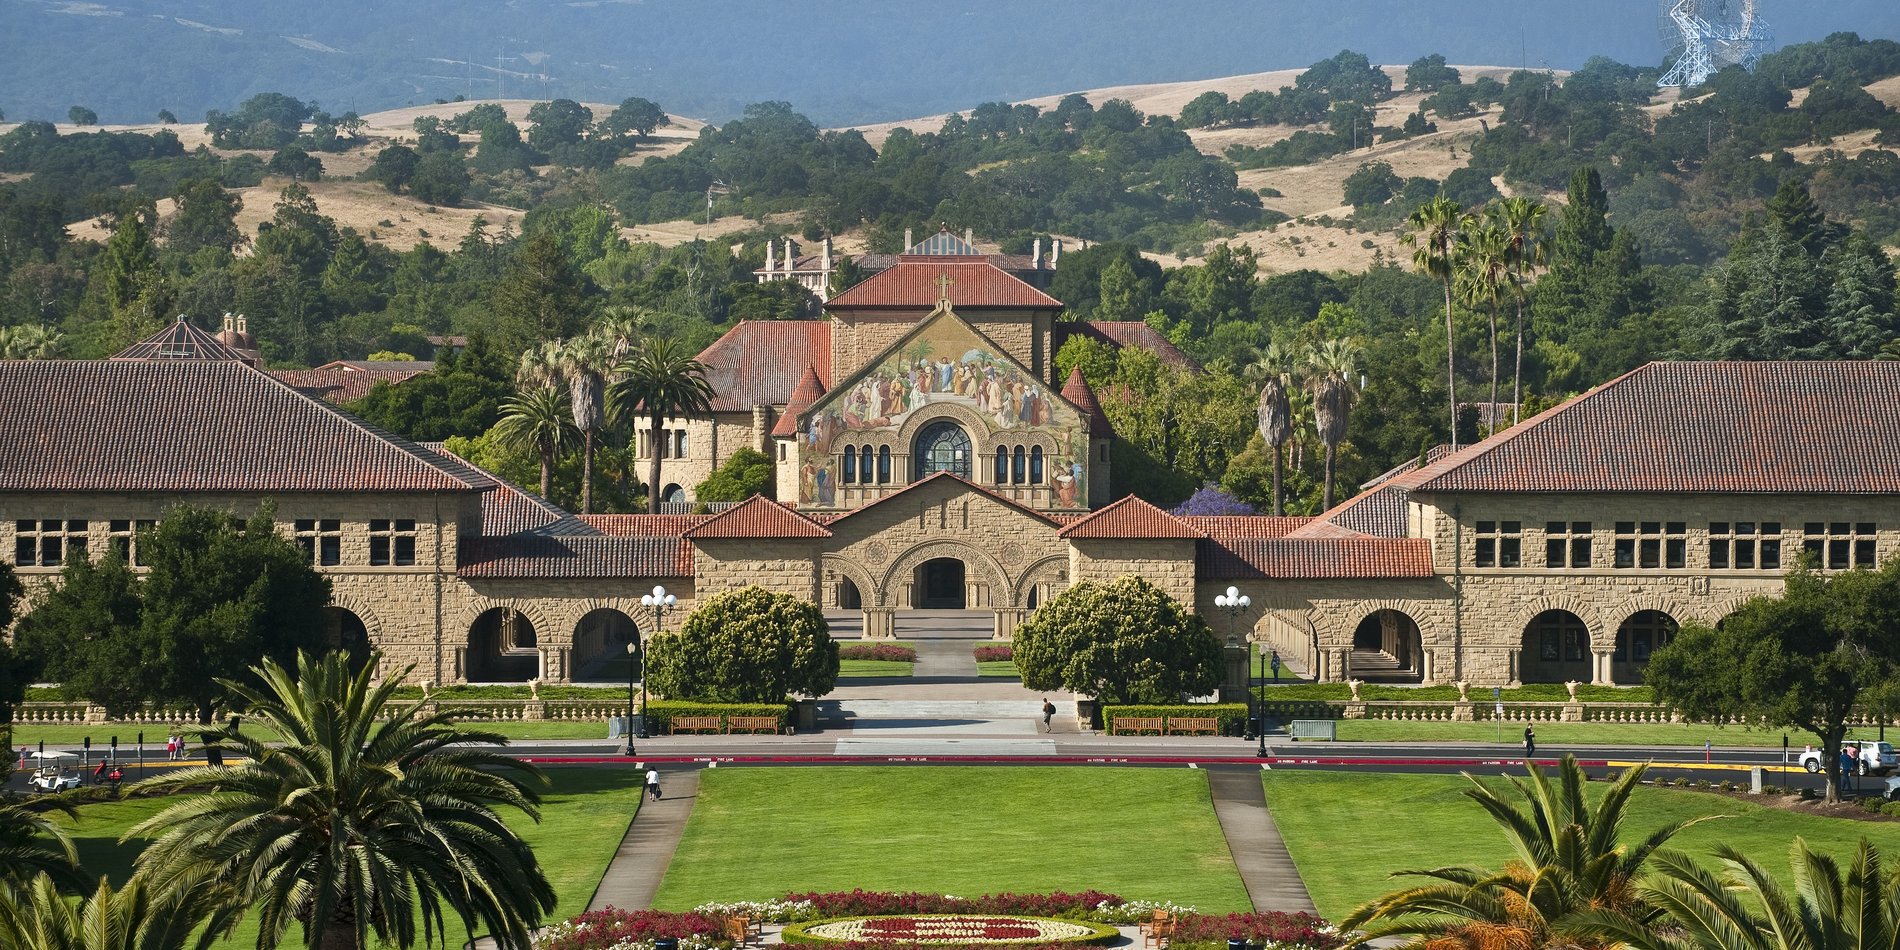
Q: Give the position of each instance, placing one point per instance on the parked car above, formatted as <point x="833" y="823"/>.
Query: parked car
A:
<point x="52" y="778"/>
<point x="1870" y="758"/>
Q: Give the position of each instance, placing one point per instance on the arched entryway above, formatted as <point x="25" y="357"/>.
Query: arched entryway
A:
<point x="345" y="631"/>
<point x="939" y="585"/>
<point x="1636" y="639"/>
<point x="1556" y="649"/>
<point x="502" y="648"/>
<point x="942" y="446"/>
<point x="601" y="639"/>
<point x="1388" y="648"/>
<point x="673" y="494"/>
<point x="849" y="597"/>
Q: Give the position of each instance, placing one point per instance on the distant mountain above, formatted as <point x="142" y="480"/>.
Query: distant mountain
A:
<point x="838" y="61"/>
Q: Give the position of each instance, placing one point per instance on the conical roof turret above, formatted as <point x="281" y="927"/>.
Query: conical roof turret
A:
<point x="805" y="395"/>
<point x="1079" y="395"/>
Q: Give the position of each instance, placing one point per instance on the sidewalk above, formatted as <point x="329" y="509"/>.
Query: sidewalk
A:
<point x="634" y="874"/>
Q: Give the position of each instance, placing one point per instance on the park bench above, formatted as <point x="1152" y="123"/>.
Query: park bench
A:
<point x="1189" y="725"/>
<point x="1132" y="725"/>
<point x="695" y="724"/>
<point x="1159" y="931"/>
<point x="739" y="931"/>
<point x="752" y="724"/>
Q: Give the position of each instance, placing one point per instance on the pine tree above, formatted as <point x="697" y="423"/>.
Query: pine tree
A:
<point x="1861" y="310"/>
<point x="540" y="298"/>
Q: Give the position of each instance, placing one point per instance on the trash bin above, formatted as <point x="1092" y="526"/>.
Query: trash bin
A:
<point x="1236" y="943"/>
<point x="666" y="943"/>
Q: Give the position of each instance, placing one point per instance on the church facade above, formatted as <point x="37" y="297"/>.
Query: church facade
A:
<point x="927" y="457"/>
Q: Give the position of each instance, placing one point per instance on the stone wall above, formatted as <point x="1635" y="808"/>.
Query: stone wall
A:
<point x="781" y="566"/>
<point x="1168" y="565"/>
<point x="709" y="442"/>
<point x="859" y="337"/>
<point x="1004" y="549"/>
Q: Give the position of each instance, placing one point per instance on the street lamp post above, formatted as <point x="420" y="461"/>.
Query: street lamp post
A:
<point x="660" y="601"/>
<point x="1236" y="603"/>
<point x="632" y="649"/>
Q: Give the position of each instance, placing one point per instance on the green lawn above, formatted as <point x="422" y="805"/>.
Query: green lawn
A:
<point x="30" y="736"/>
<point x="854" y="668"/>
<point x="1003" y="669"/>
<point x="1140" y="833"/>
<point x="1340" y="831"/>
<point x="1564" y="733"/>
<point x="583" y="816"/>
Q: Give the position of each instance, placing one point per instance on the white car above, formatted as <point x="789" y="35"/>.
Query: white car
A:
<point x="54" y="779"/>
<point x="1870" y="758"/>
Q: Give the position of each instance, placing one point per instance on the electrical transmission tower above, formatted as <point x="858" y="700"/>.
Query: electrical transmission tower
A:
<point x="1709" y="35"/>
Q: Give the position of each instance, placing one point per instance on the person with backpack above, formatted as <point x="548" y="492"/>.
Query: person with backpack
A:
<point x="653" y="784"/>
<point x="1048" y="715"/>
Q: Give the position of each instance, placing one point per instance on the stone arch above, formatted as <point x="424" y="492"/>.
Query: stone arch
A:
<point x="1052" y="568"/>
<point x="1591" y="617"/>
<point x="1638" y="634"/>
<point x="973" y="558"/>
<point x="600" y="637"/>
<point x="972" y="422"/>
<point x="361" y="608"/>
<point x="502" y="644"/>
<point x="1388" y="645"/>
<point x="347" y="632"/>
<point x="543" y="624"/>
<point x="871" y="595"/>
<point x="1556" y="645"/>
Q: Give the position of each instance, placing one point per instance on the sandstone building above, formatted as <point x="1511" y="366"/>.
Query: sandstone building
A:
<point x="928" y="457"/>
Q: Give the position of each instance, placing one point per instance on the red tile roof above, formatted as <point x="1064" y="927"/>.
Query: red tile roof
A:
<point x="651" y="525"/>
<point x="410" y="367"/>
<point x="181" y="341"/>
<point x="936" y="477"/>
<point x="1131" y="519"/>
<point x="807" y="393"/>
<point x="1223" y="527"/>
<point x="338" y="385"/>
<point x="1079" y="395"/>
<point x="1717" y="427"/>
<point x="194" y="425"/>
<point x="759" y="362"/>
<point x="541" y="556"/>
<point x="758" y="517"/>
<point x="913" y="284"/>
<point x="511" y="509"/>
<point x="1125" y="333"/>
<point x="1314" y="558"/>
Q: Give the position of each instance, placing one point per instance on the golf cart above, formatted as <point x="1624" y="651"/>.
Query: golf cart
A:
<point x="53" y="775"/>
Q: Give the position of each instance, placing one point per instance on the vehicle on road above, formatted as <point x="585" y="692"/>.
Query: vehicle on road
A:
<point x="52" y="778"/>
<point x="1870" y="758"/>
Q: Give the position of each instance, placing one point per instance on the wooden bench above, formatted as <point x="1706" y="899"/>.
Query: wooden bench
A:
<point x="1158" y="932"/>
<point x="695" y="724"/>
<point x="1189" y="726"/>
<point x="752" y="724"/>
<point x="739" y="931"/>
<point x="1130" y="725"/>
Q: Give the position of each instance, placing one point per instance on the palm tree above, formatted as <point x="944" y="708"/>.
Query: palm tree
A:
<point x="1484" y="271"/>
<point x="1745" y="908"/>
<point x="33" y="847"/>
<point x="1434" y="234"/>
<point x="363" y="813"/>
<point x="587" y="361"/>
<point x="1523" y="221"/>
<point x="660" y="380"/>
<point x="1569" y="876"/>
<point x="539" y="421"/>
<point x="131" y="918"/>
<point x="1274" y="369"/>
<point x="31" y="342"/>
<point x="1332" y="369"/>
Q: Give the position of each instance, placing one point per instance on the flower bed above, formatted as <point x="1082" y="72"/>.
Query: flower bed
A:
<point x="877" y="651"/>
<point x="951" y="930"/>
<point x="615" y="928"/>
<point x="860" y="903"/>
<point x="1274" y="929"/>
<point x="991" y="654"/>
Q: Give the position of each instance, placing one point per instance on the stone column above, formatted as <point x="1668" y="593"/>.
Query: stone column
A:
<point x="1513" y="668"/>
<point x="1007" y="620"/>
<point x="880" y="623"/>
<point x="458" y="667"/>
<point x="1427" y="667"/>
<point x="1603" y="674"/>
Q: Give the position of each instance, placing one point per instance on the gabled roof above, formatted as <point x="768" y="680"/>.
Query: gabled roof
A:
<point x="637" y="525"/>
<point x="196" y="425"/>
<point x="1712" y="427"/>
<point x="940" y="477"/>
<point x="1314" y="559"/>
<point x="1131" y="519"/>
<point x="1223" y="527"/>
<point x="181" y="341"/>
<point x="913" y="284"/>
<point x="338" y="385"/>
<point x="511" y="509"/>
<point x="1125" y="333"/>
<point x="808" y="392"/>
<point x="759" y="362"/>
<point x="758" y="517"/>
<point x="405" y="368"/>
<point x="541" y="556"/>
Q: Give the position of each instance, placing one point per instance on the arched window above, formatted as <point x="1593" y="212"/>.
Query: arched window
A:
<point x="883" y="464"/>
<point x="1002" y="465"/>
<point x="850" y="466"/>
<point x="943" y="446"/>
<point x="864" y="465"/>
<point x="1035" y="465"/>
<point x="1017" y="471"/>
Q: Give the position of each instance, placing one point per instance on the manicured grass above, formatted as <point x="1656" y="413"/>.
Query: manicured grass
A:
<point x="1349" y="832"/>
<point x="1140" y="833"/>
<point x="583" y="816"/>
<point x="1565" y="733"/>
<point x="72" y="735"/>
<point x="1528" y="693"/>
<point x="1003" y="669"/>
<point x="856" y="668"/>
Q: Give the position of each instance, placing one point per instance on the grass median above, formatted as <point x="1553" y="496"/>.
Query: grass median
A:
<point x="1331" y="822"/>
<point x="1511" y="733"/>
<point x="1141" y="833"/>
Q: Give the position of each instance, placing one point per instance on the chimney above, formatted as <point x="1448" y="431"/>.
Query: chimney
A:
<point x="1035" y="257"/>
<point x="771" y="249"/>
<point x="243" y="324"/>
<point x="907" y="243"/>
<point x="228" y="323"/>
<point x="969" y="237"/>
<point x="791" y="255"/>
<point x="1055" y="256"/>
<point x="827" y="264"/>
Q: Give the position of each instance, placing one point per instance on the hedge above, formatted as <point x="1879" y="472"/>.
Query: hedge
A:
<point x="661" y="712"/>
<point x="1232" y="716"/>
<point x="1098" y="933"/>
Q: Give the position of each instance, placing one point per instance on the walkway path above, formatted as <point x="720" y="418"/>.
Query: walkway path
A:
<point x="1273" y="883"/>
<point x="633" y="877"/>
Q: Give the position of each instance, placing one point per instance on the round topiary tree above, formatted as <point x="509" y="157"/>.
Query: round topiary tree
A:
<point x="1125" y="642"/>
<point x="746" y="646"/>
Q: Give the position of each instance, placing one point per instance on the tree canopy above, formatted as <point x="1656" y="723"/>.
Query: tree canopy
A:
<point x="746" y="646"/>
<point x="1122" y="642"/>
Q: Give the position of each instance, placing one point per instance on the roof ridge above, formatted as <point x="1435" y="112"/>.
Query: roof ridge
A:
<point x="1117" y="508"/>
<point x="808" y="527"/>
<point x="933" y="477"/>
<point x="482" y="482"/>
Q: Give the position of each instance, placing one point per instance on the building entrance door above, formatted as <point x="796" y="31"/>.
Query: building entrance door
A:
<point x="940" y="585"/>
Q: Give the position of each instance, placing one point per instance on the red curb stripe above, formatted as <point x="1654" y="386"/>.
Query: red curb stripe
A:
<point x="1026" y="759"/>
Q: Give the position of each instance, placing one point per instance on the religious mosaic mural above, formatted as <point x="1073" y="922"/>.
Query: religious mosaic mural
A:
<point x="943" y="363"/>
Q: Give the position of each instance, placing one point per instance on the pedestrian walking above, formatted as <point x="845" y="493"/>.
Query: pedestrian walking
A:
<point x="171" y="747"/>
<point x="1048" y="715"/>
<point x="653" y="784"/>
<point x="1530" y="742"/>
<point x="1847" y="767"/>
<point x="1276" y="666"/>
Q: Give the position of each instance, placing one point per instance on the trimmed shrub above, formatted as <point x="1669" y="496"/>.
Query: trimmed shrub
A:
<point x="1098" y="933"/>
<point x="991" y="654"/>
<point x="601" y="929"/>
<point x="861" y="903"/>
<point x="1232" y="716"/>
<point x="1271" y="928"/>
<point x="877" y="651"/>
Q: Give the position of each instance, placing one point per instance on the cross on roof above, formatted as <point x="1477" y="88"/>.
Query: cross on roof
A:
<point x="943" y="283"/>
